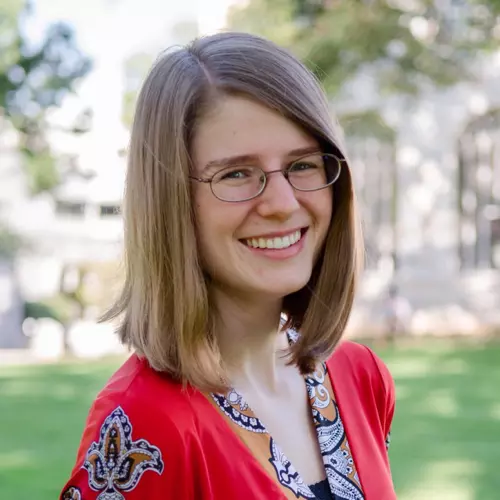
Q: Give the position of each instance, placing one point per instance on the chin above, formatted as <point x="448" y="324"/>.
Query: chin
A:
<point x="281" y="290"/>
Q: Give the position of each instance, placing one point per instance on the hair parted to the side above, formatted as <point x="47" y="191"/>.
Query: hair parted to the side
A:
<point x="164" y="305"/>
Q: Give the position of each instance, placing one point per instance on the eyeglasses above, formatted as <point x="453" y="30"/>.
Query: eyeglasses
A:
<point x="245" y="182"/>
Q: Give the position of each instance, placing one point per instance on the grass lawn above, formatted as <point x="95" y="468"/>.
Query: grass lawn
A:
<point x="446" y="433"/>
<point x="445" y="439"/>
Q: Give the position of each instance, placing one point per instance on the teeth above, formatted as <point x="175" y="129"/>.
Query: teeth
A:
<point x="276" y="243"/>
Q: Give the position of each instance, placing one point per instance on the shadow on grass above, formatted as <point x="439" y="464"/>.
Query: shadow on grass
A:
<point x="42" y="414"/>
<point x="446" y="433"/>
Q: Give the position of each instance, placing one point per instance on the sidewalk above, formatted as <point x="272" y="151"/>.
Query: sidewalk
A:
<point x="10" y="357"/>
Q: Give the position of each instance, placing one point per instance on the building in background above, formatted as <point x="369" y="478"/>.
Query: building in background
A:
<point x="13" y="196"/>
<point x="431" y="206"/>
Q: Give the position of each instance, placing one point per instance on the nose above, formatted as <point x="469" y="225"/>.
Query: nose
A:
<point x="278" y="199"/>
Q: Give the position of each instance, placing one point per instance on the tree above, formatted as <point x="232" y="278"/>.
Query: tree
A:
<point x="404" y="44"/>
<point x="10" y="242"/>
<point x="34" y="80"/>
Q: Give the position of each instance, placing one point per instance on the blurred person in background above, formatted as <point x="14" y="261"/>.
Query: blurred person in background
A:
<point x="243" y="252"/>
<point x="397" y="313"/>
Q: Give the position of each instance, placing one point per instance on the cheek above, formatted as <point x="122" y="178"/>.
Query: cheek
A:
<point x="216" y="242"/>
<point x="328" y="204"/>
<point x="216" y="225"/>
<point x="321" y="207"/>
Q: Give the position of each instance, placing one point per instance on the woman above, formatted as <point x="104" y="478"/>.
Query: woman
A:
<point x="240" y="230"/>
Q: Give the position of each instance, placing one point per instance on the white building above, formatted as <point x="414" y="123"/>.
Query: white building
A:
<point x="12" y="195"/>
<point x="432" y="206"/>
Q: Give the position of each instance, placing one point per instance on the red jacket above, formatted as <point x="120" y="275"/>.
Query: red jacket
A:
<point x="145" y="438"/>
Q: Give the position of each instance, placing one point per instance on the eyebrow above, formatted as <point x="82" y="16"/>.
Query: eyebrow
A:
<point x="232" y="161"/>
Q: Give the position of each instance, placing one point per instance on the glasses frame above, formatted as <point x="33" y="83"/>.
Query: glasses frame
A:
<point x="284" y="171"/>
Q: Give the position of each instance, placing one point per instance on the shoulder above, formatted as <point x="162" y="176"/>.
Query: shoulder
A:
<point x="137" y="436"/>
<point x="144" y="398"/>
<point x="357" y="372"/>
<point x="363" y="361"/>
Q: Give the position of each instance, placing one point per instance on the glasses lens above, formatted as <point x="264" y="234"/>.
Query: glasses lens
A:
<point x="314" y="172"/>
<point x="238" y="183"/>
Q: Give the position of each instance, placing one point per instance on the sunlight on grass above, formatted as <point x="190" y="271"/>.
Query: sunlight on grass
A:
<point x="453" y="367"/>
<point x="21" y="388"/>
<point x="15" y="459"/>
<point x="417" y="366"/>
<point x="495" y="411"/>
<point x="431" y="491"/>
<point x="411" y="368"/>
<point x="402" y="392"/>
<point x="28" y="388"/>
<point x="64" y="391"/>
<point x="445" y="480"/>
<point x="442" y="403"/>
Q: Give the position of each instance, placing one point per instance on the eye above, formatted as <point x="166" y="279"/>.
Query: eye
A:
<point x="303" y="165"/>
<point x="234" y="174"/>
<point x="308" y="165"/>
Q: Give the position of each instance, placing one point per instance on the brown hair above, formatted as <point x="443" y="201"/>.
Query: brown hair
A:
<point x="165" y="301"/>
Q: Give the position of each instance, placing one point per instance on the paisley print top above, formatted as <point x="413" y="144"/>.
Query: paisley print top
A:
<point x="341" y="473"/>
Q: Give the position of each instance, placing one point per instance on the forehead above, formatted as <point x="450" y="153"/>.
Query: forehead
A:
<point x="240" y="126"/>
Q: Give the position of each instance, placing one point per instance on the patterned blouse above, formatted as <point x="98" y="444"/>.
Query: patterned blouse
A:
<point x="342" y="481"/>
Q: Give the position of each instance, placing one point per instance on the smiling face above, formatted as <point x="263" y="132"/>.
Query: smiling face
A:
<point x="266" y="246"/>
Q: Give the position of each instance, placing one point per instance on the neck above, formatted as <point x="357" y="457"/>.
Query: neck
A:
<point x="250" y="340"/>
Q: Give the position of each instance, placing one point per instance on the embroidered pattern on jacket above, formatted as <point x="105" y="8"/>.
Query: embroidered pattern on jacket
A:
<point x="71" y="493"/>
<point x="116" y="463"/>
<point x="339" y="464"/>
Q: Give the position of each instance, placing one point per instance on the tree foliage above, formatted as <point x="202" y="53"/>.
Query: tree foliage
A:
<point x="34" y="80"/>
<point x="10" y="242"/>
<point x="404" y="44"/>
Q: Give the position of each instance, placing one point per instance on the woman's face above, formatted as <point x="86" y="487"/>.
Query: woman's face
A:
<point x="231" y="235"/>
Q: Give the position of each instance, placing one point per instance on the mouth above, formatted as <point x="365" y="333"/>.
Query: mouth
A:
<point x="275" y="242"/>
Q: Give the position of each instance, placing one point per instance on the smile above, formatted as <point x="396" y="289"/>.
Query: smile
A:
<point x="276" y="243"/>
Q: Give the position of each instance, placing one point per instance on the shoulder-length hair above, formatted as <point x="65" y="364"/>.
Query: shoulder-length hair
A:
<point x="165" y="304"/>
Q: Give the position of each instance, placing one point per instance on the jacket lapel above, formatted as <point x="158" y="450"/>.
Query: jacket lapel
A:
<point x="356" y="400"/>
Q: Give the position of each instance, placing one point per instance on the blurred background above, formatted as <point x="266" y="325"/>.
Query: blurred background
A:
<point x="415" y="85"/>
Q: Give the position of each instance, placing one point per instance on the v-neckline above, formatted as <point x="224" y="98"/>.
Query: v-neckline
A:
<point x="338" y="462"/>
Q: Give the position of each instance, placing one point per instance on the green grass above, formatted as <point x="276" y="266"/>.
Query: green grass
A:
<point x="445" y="440"/>
<point x="446" y="433"/>
<point x="42" y="413"/>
